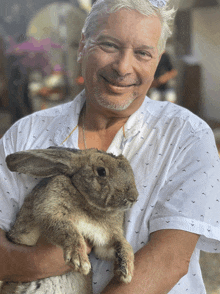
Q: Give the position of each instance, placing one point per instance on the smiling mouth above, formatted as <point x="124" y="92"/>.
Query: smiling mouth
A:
<point x="115" y="84"/>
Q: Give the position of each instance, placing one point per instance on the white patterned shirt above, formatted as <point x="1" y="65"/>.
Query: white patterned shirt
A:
<point x="177" y="170"/>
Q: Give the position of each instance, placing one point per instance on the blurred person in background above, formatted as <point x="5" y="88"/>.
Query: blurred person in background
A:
<point x="4" y="103"/>
<point x="20" y="104"/>
<point x="160" y="88"/>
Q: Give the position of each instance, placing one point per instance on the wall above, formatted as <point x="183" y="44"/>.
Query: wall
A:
<point x="206" y="49"/>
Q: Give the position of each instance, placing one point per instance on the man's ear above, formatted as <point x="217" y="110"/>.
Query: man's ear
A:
<point x="80" y="49"/>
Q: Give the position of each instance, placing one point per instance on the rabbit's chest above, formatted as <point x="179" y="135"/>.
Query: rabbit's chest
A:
<point x="100" y="238"/>
<point x="94" y="232"/>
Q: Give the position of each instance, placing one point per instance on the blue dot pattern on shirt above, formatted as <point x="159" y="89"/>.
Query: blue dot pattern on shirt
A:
<point x="176" y="166"/>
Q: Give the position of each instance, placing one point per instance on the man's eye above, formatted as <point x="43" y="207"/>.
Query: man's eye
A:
<point x="144" y="54"/>
<point x="108" y="46"/>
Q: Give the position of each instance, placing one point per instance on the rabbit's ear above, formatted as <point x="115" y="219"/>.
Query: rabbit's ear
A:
<point x="44" y="162"/>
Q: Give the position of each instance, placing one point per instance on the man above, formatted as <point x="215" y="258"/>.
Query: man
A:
<point x="172" y="153"/>
<point x="165" y="72"/>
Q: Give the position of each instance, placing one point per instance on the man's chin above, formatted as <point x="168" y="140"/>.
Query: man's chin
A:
<point x="115" y="104"/>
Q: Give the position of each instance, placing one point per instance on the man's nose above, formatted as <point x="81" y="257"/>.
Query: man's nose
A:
<point x="124" y="63"/>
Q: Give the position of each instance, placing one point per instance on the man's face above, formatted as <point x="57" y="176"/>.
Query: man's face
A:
<point x="120" y="59"/>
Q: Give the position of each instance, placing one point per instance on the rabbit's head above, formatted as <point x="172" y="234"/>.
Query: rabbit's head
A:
<point x="105" y="181"/>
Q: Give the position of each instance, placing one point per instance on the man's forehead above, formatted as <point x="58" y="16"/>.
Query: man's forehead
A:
<point x="128" y="24"/>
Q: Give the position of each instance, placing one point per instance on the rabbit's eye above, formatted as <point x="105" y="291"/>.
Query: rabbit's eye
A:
<point x="101" y="171"/>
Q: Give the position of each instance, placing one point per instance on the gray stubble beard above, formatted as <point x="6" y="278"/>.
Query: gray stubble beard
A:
<point x="112" y="106"/>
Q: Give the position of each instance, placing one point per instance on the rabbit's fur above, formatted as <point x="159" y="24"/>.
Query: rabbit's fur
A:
<point x="84" y="194"/>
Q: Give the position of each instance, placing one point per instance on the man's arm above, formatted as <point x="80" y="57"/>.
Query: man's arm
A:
<point x="24" y="263"/>
<point x="169" y="75"/>
<point x="159" y="265"/>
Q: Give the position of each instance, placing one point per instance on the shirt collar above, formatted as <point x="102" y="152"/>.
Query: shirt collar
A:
<point x="136" y="120"/>
<point x="69" y="120"/>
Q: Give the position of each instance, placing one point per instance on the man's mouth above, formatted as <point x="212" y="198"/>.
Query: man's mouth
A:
<point x="117" y="84"/>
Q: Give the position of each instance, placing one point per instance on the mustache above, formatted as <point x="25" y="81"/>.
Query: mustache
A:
<point x="120" y="81"/>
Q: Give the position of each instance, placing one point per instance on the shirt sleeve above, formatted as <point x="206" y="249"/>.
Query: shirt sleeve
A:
<point x="13" y="186"/>
<point x="9" y="197"/>
<point x="190" y="197"/>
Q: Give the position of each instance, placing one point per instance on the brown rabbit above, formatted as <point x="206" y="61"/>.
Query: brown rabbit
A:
<point x="84" y="194"/>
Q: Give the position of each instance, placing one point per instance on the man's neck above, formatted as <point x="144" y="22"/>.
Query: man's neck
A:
<point x="97" y="130"/>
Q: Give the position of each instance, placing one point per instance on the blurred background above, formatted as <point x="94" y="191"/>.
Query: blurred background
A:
<point x="38" y="67"/>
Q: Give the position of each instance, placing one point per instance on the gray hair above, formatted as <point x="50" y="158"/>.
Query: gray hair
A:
<point x="102" y="8"/>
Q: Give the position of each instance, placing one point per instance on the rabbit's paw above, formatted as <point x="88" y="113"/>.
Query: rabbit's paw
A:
<point x="124" y="267"/>
<point x="77" y="258"/>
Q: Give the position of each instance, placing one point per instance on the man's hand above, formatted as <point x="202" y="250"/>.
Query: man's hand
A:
<point x="159" y="265"/>
<point x="49" y="258"/>
<point x="24" y="263"/>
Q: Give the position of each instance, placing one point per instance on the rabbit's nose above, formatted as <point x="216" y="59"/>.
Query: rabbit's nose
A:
<point x="133" y="195"/>
<point x="130" y="200"/>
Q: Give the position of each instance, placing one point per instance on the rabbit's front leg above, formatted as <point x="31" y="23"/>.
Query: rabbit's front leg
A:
<point x="124" y="260"/>
<point x="64" y="234"/>
<point x="25" y="230"/>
